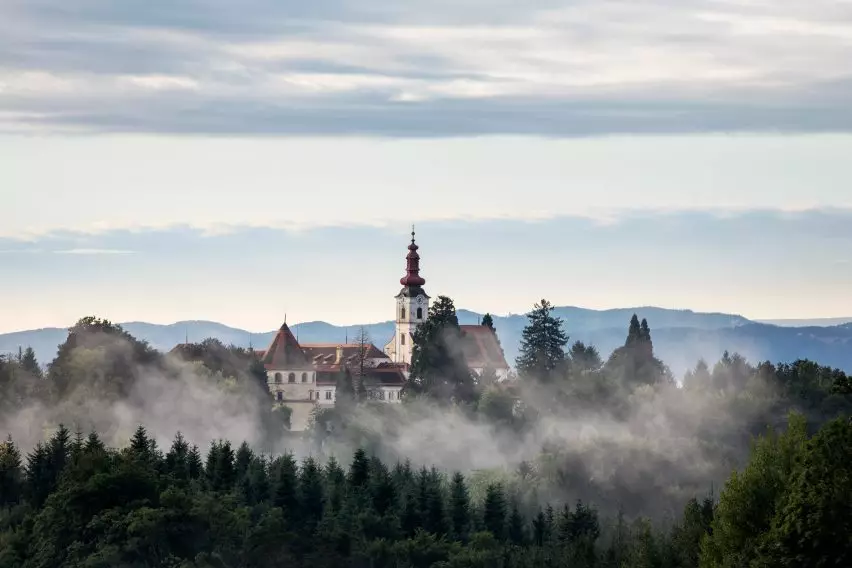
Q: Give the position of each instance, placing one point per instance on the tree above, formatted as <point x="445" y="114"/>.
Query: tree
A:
<point x="459" y="507"/>
<point x="29" y="363"/>
<point x="494" y="510"/>
<point x="814" y="524"/>
<point x="584" y="358"/>
<point x="748" y="503"/>
<point x="11" y="475"/>
<point x="438" y="367"/>
<point x="362" y="355"/>
<point x="543" y="342"/>
<point x="488" y="321"/>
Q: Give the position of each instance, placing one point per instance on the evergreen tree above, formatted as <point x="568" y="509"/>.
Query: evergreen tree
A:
<point x="543" y="342"/>
<point x="194" y="465"/>
<point x="459" y="507"/>
<point x="285" y="488"/>
<point x="11" y="475"/>
<point x="516" y="528"/>
<point x="494" y="510"/>
<point x="29" y="363"/>
<point x="438" y="368"/>
<point x="311" y="496"/>
<point x="242" y="460"/>
<point x="359" y="471"/>
<point x="140" y="445"/>
<point x="488" y="321"/>
<point x="176" y="458"/>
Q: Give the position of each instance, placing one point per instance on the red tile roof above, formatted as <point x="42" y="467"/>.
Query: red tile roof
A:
<point x="326" y="353"/>
<point x="285" y="352"/>
<point x="481" y="348"/>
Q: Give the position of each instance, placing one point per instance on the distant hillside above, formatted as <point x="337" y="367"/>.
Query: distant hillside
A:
<point x="817" y="322"/>
<point x="680" y="337"/>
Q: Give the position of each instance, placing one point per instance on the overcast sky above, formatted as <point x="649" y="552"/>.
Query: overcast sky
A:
<point x="271" y="136"/>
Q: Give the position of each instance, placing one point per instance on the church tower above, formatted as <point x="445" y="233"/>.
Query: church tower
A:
<point x="412" y="308"/>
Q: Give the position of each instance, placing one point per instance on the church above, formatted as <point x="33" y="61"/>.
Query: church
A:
<point x="304" y="375"/>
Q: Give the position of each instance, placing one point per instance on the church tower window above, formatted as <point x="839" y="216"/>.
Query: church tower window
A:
<point x="419" y="313"/>
<point x="402" y="339"/>
<point x="402" y="313"/>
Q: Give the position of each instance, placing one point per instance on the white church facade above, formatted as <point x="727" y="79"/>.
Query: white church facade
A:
<point x="304" y="376"/>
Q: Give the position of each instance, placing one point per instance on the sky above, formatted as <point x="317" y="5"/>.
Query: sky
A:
<point x="203" y="159"/>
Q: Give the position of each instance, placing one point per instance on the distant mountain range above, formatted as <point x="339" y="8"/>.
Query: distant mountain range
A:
<point x="680" y="337"/>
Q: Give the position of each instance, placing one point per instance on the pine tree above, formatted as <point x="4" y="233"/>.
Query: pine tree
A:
<point x="140" y="445"/>
<point x="438" y="368"/>
<point x="177" y="458"/>
<point x="634" y="332"/>
<point x="194" y="465"/>
<point x="11" y="475"/>
<point x="359" y="471"/>
<point x="488" y="321"/>
<point x="311" y="497"/>
<point x="494" y="510"/>
<point x="382" y="489"/>
<point x="517" y="530"/>
<point x="459" y="507"/>
<point x="242" y="460"/>
<point x="29" y="363"/>
<point x="543" y="342"/>
<point x="285" y="488"/>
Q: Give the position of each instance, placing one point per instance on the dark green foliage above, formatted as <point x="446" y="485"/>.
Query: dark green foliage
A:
<point x="438" y="370"/>
<point x="494" y="511"/>
<point x="542" y="354"/>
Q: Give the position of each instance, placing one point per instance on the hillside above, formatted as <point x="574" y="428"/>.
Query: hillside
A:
<point x="681" y="337"/>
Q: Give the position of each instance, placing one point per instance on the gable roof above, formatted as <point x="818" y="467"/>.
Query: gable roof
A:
<point x="481" y="348"/>
<point x="285" y="352"/>
<point x="326" y="353"/>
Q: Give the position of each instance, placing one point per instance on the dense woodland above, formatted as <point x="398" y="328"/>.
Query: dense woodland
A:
<point x="581" y="461"/>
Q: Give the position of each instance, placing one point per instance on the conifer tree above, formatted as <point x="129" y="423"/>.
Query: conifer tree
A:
<point x="494" y="511"/>
<point x="516" y="528"/>
<point x="311" y="497"/>
<point x="488" y="321"/>
<point x="285" y="488"/>
<point x="140" y="445"/>
<point x="543" y="342"/>
<point x="176" y="458"/>
<point x="459" y="507"/>
<point x="359" y="471"/>
<point x="242" y="460"/>
<point x="438" y="368"/>
<point x="29" y="363"/>
<point x="194" y="465"/>
<point x="11" y="475"/>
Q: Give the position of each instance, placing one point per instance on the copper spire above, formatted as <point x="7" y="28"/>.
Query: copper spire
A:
<point x="412" y="265"/>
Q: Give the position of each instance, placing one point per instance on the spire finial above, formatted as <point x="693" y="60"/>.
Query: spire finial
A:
<point x="412" y="265"/>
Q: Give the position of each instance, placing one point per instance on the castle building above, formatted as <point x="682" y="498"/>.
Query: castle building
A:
<point x="304" y="376"/>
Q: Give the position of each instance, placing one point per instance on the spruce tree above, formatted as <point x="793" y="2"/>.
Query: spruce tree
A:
<point x="311" y="497"/>
<point x="359" y="471"/>
<point x="516" y="528"/>
<point x="488" y="321"/>
<point x="285" y="488"/>
<point x="29" y="363"/>
<point x="459" y="507"/>
<point x="242" y="460"/>
<point x="11" y="475"/>
<point x="494" y="511"/>
<point x="194" y="464"/>
<point x="438" y="368"/>
<point x="543" y="342"/>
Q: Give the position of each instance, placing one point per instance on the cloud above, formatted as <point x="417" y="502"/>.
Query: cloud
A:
<point x="92" y="251"/>
<point x="425" y="68"/>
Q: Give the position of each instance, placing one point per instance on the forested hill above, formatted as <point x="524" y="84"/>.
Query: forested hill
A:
<point x="681" y="336"/>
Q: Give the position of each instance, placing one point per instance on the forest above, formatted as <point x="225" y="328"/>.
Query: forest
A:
<point x="119" y="455"/>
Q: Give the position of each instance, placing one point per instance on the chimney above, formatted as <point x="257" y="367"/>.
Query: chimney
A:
<point x="338" y="359"/>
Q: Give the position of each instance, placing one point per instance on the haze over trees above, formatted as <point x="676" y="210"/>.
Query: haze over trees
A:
<point x="585" y="460"/>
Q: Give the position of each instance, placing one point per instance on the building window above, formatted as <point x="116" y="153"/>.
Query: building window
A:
<point x="402" y="339"/>
<point x="381" y="395"/>
<point x="402" y="313"/>
<point x="420" y="313"/>
<point x="328" y="395"/>
<point x="390" y="395"/>
<point x="291" y="378"/>
<point x="311" y="395"/>
<point x="304" y="377"/>
<point x="277" y="378"/>
<point x="279" y="395"/>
